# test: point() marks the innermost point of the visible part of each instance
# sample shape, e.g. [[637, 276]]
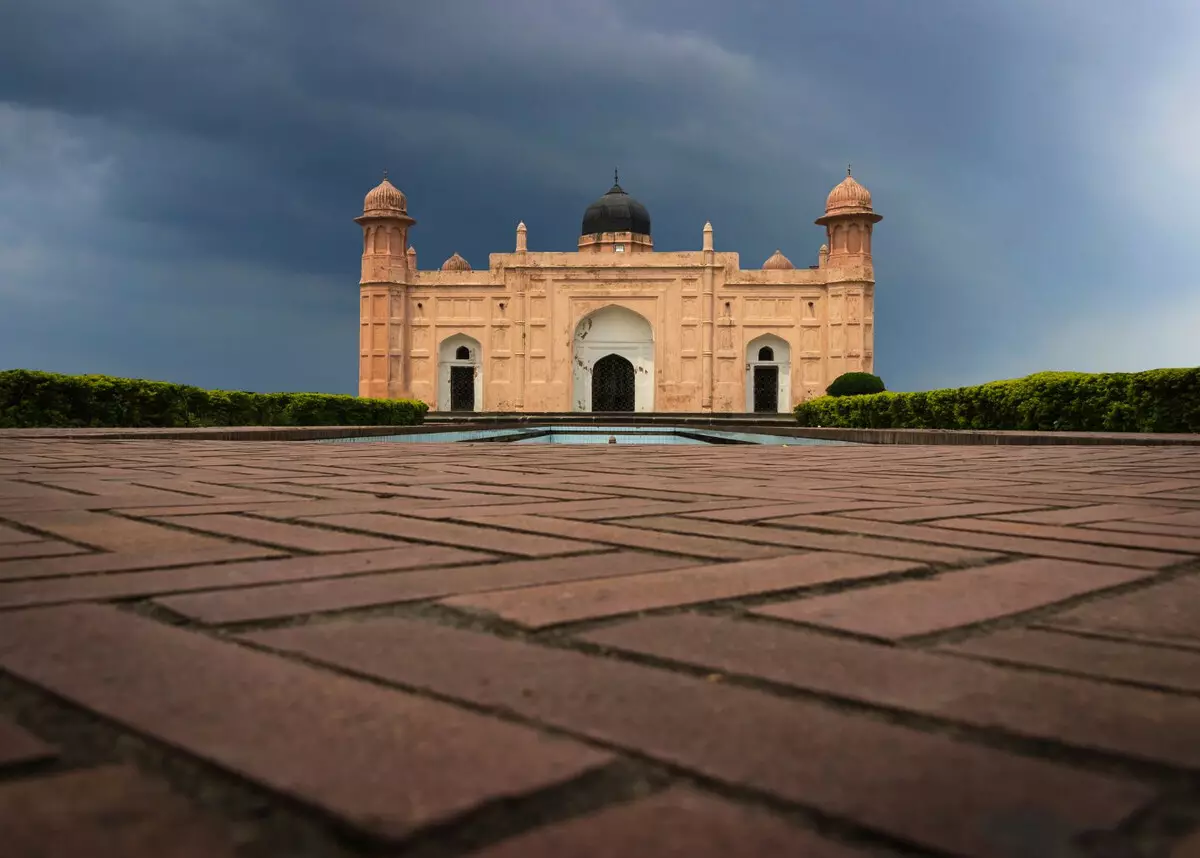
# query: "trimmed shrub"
[[855, 384], [29, 399], [1159, 400]]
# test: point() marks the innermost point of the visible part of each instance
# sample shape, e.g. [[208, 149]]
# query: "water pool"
[[586, 434]]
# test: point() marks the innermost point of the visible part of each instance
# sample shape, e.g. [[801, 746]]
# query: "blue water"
[[584, 434]]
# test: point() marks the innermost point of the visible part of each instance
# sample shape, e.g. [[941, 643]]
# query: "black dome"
[[616, 211]]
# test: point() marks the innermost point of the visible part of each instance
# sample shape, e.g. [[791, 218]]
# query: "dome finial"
[[385, 174], [616, 178], [847, 169]]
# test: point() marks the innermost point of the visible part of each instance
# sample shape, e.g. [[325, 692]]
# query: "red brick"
[[1152, 541], [83, 564], [18, 745], [538, 607], [462, 535], [1179, 518], [9, 536], [621, 508], [929, 788], [361, 503], [679, 823], [224, 576], [382, 760], [41, 548], [205, 508], [816, 541], [988, 541], [109, 812], [628, 537], [909, 608], [1082, 514], [540, 492], [286, 535], [110, 532], [1107, 659], [1131, 722], [270, 602], [943, 510], [782, 510], [1167, 612], [1143, 528]]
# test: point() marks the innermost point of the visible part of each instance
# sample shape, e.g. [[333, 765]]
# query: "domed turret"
[[385, 197], [385, 223], [849, 221], [616, 211], [456, 263], [777, 262], [848, 196]]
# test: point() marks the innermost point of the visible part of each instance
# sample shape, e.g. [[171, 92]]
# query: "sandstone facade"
[[615, 325]]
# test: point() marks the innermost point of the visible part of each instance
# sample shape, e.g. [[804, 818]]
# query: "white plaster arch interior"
[[770, 350], [459, 350], [607, 331]]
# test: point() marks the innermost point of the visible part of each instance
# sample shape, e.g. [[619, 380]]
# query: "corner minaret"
[[385, 224], [386, 267], [848, 221]]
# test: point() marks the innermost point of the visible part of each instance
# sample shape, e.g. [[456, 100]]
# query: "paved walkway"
[[299, 649]]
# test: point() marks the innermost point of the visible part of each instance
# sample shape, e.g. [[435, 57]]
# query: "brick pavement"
[[254, 648]]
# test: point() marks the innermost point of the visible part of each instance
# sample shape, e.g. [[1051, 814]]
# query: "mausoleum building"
[[614, 325]]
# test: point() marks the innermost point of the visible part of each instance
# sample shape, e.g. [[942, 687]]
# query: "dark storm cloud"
[[177, 178]]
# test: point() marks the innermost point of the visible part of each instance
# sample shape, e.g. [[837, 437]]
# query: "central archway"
[[612, 384], [613, 362]]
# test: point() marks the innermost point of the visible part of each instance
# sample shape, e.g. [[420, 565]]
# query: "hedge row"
[[1160, 400], [30, 399]]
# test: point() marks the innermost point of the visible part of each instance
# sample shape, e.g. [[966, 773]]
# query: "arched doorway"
[[612, 384], [613, 362], [460, 381], [768, 375]]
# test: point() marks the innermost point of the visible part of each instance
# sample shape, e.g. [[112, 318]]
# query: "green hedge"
[[30, 398], [855, 384], [1160, 400]]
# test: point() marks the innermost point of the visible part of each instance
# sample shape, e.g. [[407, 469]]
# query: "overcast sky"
[[178, 177]]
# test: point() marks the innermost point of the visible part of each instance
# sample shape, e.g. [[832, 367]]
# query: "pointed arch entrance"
[[460, 382], [768, 375], [613, 362]]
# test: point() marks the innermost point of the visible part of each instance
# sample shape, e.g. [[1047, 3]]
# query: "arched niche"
[[460, 374], [768, 375], [618, 336], [854, 241]]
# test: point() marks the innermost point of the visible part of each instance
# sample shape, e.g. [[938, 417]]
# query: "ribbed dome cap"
[[777, 262], [849, 195], [456, 263], [385, 197]]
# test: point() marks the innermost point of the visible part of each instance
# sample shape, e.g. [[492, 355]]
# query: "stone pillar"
[[708, 311]]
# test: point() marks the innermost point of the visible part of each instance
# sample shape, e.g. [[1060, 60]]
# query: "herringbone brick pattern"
[[289, 648]]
